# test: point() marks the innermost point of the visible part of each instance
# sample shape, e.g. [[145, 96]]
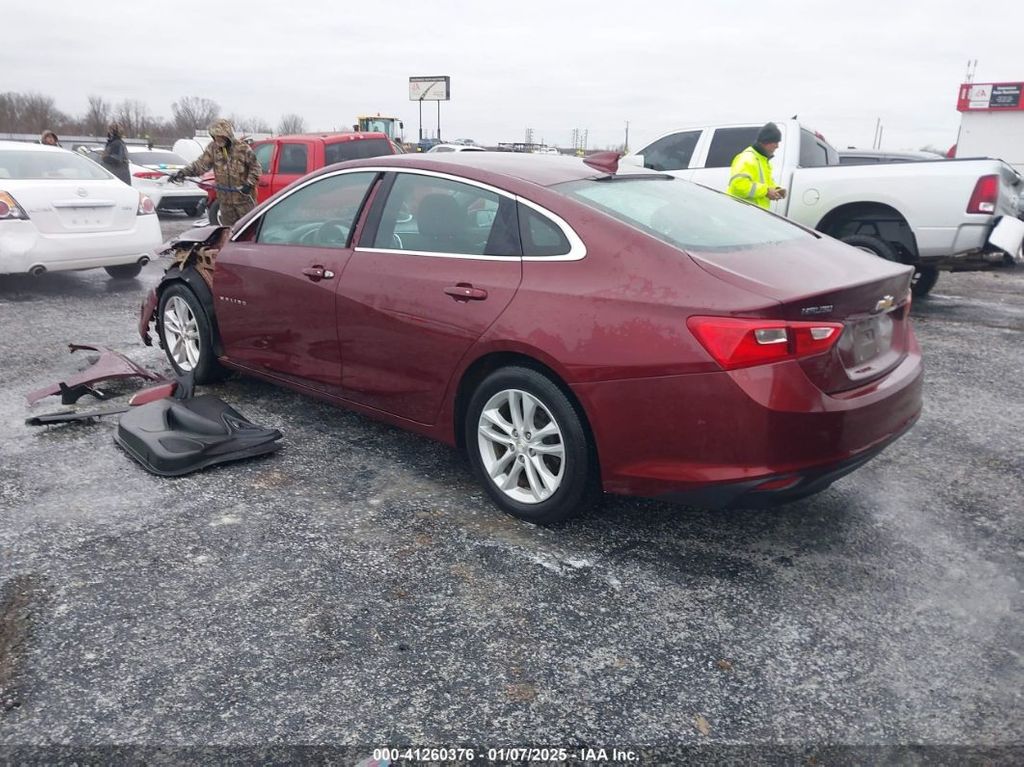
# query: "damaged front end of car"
[[193, 256]]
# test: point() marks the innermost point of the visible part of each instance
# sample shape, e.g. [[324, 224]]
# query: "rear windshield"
[[682, 213], [356, 149], [57, 165], [156, 157]]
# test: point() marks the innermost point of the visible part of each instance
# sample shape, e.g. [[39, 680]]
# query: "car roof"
[[25, 145], [539, 169], [327, 137]]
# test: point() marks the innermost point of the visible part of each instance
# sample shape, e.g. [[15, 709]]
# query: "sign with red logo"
[[990, 97]]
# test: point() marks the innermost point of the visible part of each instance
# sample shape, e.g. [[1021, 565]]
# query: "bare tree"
[[10, 111], [250, 124], [97, 116], [134, 117], [29, 113], [192, 112], [291, 123]]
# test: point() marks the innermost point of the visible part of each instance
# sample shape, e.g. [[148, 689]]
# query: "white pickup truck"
[[951, 215]]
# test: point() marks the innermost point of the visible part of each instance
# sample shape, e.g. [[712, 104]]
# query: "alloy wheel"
[[521, 446], [181, 332]]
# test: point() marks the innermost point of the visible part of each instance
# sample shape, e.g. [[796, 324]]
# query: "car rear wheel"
[[124, 271], [529, 447], [924, 280], [186, 335], [873, 245]]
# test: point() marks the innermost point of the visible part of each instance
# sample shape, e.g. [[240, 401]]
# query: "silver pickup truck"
[[942, 215]]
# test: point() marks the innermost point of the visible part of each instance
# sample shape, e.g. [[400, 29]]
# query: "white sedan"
[[151, 170], [60, 211]]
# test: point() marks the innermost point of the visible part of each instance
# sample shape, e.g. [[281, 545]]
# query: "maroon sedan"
[[573, 328]]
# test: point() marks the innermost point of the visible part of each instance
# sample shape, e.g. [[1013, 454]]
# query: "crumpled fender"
[[198, 285]]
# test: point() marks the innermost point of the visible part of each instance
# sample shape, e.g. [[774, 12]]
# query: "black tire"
[[578, 487], [880, 248], [213, 213], [124, 271], [205, 369], [923, 281]]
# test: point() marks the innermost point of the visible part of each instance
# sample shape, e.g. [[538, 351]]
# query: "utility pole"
[[625, 147]]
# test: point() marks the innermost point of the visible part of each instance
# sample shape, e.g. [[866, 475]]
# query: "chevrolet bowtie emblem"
[[885, 303]]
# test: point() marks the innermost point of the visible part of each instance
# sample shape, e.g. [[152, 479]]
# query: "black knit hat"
[[769, 134]]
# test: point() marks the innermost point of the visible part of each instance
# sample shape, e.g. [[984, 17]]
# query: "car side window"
[[292, 159], [727, 143], [319, 215], [540, 235], [264, 156], [671, 152], [427, 214], [812, 152]]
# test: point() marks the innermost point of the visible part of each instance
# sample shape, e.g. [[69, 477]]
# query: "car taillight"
[[9, 208], [739, 343], [146, 205], [985, 195], [149, 174]]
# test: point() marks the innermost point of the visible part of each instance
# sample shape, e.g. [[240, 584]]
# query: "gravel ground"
[[358, 587]]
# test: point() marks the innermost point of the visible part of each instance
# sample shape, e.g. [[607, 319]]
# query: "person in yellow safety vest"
[[750, 177]]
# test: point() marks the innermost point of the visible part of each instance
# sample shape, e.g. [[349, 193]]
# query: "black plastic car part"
[[172, 437]]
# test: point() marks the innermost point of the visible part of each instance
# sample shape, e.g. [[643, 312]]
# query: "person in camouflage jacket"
[[234, 165]]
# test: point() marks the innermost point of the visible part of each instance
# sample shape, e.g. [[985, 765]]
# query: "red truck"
[[287, 158]]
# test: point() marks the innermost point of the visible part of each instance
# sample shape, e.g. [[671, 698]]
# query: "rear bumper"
[[22, 247], [714, 439]]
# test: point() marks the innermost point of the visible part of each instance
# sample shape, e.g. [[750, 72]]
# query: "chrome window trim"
[[577, 249], [431, 254]]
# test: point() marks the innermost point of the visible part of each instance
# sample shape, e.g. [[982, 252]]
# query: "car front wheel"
[[186, 334], [529, 447]]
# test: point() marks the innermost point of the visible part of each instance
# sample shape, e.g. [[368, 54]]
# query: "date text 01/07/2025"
[[505, 754]]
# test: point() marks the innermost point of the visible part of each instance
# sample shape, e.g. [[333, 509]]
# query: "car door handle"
[[264, 183], [464, 292], [317, 273]]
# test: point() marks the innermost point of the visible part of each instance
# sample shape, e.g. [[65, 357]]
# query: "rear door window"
[[293, 159], [727, 143], [671, 152], [427, 214], [813, 153], [356, 149]]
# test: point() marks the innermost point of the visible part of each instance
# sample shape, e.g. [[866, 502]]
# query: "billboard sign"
[[430, 88], [989, 97]]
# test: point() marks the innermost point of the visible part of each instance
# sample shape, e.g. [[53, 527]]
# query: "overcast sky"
[[551, 66]]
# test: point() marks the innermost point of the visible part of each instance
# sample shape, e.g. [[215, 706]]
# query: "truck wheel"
[[873, 245], [924, 280]]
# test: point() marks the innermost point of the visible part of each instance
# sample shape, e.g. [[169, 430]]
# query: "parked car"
[[284, 159], [572, 328], [952, 216], [150, 170], [60, 211], [455, 148], [853, 156]]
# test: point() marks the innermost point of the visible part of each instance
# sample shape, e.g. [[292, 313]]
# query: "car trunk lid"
[[65, 207], [828, 281]]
